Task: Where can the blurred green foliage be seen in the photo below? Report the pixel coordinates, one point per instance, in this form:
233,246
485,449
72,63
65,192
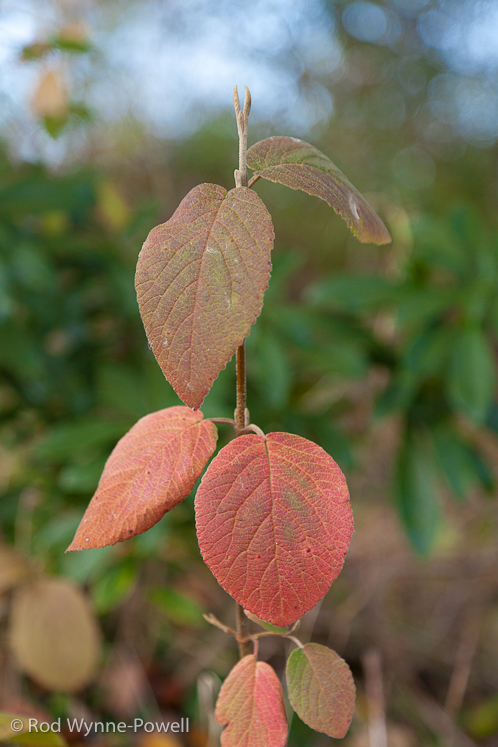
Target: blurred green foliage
76,371
350,338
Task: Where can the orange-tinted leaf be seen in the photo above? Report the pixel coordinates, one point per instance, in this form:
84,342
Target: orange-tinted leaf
321,689
250,704
54,634
152,469
200,282
274,523
300,165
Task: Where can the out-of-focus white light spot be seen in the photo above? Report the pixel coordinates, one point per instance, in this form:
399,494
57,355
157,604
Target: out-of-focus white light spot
369,22
410,8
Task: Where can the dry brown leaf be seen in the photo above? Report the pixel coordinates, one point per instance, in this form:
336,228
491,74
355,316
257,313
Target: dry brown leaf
50,98
13,568
54,634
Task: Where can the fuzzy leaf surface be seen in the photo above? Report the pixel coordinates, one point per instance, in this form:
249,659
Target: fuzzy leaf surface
274,523
299,165
251,706
321,689
200,281
54,634
152,469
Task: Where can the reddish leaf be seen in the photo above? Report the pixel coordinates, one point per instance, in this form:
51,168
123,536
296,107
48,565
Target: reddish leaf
274,523
321,689
152,469
250,702
299,165
200,282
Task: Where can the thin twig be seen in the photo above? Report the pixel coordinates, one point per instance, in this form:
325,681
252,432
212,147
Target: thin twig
222,421
255,429
295,640
439,721
241,413
242,636
213,620
372,667
469,638
242,116
253,180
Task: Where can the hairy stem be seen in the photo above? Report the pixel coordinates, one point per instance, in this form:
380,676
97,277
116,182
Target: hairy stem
240,412
242,116
241,419
242,625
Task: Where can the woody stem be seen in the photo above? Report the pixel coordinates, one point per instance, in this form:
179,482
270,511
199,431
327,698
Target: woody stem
241,420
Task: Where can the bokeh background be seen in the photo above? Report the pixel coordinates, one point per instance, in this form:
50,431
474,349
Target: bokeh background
386,356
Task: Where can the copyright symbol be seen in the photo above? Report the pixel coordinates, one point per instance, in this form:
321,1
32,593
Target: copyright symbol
16,724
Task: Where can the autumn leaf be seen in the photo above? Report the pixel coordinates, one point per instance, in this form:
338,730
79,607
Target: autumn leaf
200,282
54,634
299,165
321,689
274,523
250,705
152,469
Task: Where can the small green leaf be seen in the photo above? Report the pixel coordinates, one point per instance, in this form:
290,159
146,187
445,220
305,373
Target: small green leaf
15,729
427,355
180,608
265,625
299,165
355,294
321,689
456,461
416,492
472,374
271,370
113,587
67,440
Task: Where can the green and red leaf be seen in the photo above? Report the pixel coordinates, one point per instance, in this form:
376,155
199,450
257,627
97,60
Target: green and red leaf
321,689
299,165
274,523
152,469
200,281
251,706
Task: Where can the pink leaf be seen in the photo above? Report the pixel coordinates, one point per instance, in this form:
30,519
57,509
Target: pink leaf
200,282
274,523
250,704
152,469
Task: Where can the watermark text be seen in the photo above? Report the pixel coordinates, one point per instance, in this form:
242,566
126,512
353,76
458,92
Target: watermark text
85,728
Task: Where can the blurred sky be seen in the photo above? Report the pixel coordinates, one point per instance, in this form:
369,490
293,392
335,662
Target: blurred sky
169,64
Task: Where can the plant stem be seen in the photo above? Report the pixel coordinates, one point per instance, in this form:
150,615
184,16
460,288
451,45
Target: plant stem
240,412
241,419
242,116
242,626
